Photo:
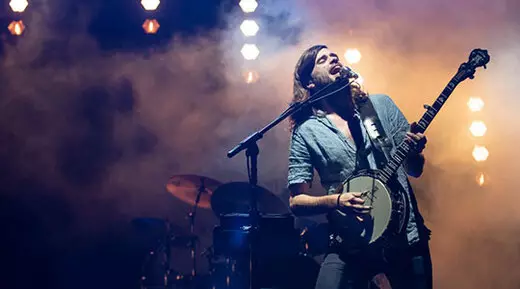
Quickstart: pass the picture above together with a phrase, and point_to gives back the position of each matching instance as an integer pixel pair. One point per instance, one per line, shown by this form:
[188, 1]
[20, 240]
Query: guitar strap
[375, 131]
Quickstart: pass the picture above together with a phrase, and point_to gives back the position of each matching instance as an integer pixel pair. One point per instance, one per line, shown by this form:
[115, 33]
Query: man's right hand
[352, 202]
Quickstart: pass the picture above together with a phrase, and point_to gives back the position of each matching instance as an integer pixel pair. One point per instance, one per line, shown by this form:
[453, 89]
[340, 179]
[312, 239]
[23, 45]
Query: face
[326, 68]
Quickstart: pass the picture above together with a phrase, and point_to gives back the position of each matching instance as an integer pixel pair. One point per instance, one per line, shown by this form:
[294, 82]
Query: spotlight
[16, 27]
[481, 179]
[18, 5]
[150, 5]
[352, 56]
[248, 6]
[249, 27]
[478, 128]
[250, 51]
[251, 76]
[475, 104]
[480, 153]
[151, 26]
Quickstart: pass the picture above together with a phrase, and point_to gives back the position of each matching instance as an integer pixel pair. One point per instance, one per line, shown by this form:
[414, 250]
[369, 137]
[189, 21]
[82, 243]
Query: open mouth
[335, 69]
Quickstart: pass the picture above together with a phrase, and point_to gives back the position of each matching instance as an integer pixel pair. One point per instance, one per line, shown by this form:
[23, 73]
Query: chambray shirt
[318, 144]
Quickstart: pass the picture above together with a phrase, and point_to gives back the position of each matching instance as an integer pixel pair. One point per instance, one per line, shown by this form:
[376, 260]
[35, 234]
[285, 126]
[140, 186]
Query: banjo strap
[375, 130]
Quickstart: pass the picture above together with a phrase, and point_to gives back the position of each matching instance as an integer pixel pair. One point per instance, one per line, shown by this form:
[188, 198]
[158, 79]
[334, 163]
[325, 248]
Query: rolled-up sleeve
[300, 165]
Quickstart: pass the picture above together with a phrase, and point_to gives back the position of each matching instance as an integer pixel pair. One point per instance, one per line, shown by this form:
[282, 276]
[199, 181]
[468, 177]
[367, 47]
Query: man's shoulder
[383, 102]
[379, 98]
[306, 127]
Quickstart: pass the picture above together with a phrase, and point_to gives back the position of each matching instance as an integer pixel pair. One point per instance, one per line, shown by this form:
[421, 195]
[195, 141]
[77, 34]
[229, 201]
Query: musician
[327, 138]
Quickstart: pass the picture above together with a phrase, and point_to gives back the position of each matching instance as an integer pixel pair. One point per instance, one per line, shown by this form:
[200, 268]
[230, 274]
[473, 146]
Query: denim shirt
[317, 144]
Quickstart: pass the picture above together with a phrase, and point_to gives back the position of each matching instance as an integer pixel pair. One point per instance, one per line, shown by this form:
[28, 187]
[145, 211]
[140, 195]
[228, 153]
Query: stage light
[150, 5]
[481, 179]
[475, 104]
[251, 76]
[480, 153]
[16, 27]
[352, 56]
[249, 27]
[248, 6]
[250, 51]
[478, 128]
[18, 5]
[151, 26]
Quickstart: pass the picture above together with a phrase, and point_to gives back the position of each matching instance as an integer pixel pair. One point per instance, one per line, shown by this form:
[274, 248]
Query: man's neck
[346, 112]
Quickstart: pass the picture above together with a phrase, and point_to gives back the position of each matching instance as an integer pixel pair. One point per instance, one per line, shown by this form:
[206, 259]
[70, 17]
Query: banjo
[390, 206]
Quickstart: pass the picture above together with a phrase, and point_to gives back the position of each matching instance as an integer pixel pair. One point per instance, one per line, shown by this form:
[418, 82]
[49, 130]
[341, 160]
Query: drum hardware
[155, 270]
[235, 198]
[197, 191]
[193, 189]
[247, 213]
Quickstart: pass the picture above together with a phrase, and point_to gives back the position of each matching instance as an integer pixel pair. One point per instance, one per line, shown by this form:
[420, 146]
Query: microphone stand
[252, 151]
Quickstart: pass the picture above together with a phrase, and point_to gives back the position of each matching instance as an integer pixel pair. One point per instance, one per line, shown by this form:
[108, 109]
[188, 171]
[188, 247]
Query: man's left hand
[416, 139]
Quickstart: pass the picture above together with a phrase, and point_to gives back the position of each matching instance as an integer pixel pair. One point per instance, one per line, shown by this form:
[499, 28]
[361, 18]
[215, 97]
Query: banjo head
[374, 224]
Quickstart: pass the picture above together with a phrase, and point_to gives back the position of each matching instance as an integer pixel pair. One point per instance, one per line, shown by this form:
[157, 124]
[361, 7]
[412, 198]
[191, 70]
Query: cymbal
[235, 197]
[186, 188]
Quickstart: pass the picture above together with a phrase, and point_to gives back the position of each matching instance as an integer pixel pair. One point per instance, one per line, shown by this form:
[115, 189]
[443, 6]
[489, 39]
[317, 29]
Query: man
[327, 138]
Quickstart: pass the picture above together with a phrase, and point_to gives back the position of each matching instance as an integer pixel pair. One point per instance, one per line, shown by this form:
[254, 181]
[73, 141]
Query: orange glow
[16, 27]
[151, 26]
[251, 76]
[481, 179]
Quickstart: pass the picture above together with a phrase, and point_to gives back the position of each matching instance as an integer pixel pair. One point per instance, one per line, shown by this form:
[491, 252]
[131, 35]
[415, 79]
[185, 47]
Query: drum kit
[280, 255]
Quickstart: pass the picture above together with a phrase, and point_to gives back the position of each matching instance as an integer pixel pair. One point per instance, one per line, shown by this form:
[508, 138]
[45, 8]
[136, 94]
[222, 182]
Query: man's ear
[311, 85]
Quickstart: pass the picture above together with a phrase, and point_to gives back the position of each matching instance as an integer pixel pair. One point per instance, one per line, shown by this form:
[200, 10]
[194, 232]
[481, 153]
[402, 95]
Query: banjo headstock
[477, 58]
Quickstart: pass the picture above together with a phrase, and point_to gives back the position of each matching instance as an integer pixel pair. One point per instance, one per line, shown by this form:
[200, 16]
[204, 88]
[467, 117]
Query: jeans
[409, 268]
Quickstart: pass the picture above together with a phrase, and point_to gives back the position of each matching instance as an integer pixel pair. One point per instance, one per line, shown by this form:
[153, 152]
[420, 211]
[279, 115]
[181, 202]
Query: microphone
[346, 72]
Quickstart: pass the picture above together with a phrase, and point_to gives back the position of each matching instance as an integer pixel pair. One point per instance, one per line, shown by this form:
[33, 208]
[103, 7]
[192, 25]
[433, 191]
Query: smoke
[103, 131]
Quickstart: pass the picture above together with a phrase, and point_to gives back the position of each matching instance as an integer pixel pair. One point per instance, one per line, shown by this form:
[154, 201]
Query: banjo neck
[402, 151]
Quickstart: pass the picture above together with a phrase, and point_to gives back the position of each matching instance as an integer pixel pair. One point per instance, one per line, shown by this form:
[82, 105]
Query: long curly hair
[302, 77]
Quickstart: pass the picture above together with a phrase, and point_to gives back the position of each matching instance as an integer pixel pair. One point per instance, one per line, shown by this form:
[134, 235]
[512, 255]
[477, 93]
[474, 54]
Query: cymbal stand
[166, 244]
[191, 215]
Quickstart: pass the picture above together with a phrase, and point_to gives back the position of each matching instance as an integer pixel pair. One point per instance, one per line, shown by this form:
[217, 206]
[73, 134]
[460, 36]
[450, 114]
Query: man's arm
[415, 164]
[302, 204]
[300, 175]
[301, 172]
